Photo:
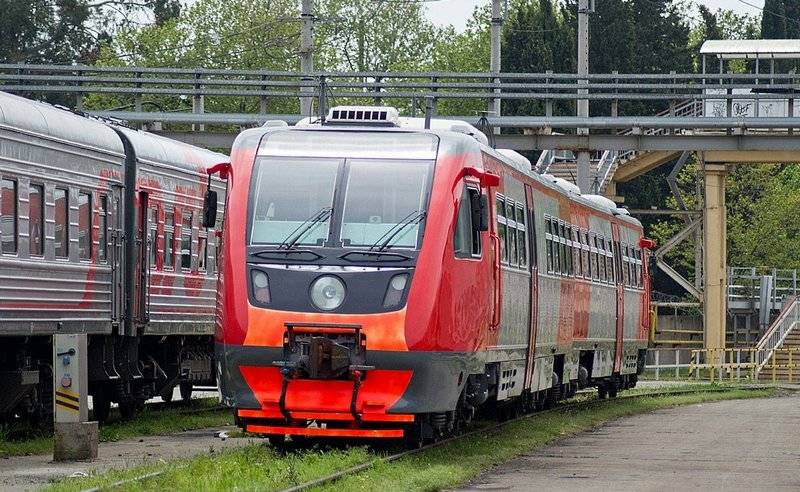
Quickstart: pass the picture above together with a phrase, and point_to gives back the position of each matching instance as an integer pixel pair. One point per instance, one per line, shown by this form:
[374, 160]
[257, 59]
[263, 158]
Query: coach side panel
[59, 206]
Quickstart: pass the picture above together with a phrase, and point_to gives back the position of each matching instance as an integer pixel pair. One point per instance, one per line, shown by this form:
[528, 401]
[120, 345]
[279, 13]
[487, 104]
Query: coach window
[152, 224]
[625, 272]
[102, 236]
[169, 239]
[8, 216]
[585, 252]
[522, 237]
[639, 280]
[186, 241]
[610, 261]
[568, 249]
[548, 239]
[511, 233]
[500, 209]
[466, 236]
[601, 259]
[61, 214]
[84, 226]
[36, 219]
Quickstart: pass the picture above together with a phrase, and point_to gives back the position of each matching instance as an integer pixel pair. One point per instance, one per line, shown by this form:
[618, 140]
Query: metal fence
[674, 92]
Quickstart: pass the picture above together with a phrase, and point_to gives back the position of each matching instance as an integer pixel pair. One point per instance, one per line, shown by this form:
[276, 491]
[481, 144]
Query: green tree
[44, 31]
[773, 20]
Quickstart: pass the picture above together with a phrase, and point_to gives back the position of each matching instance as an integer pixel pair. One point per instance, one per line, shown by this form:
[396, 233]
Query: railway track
[561, 407]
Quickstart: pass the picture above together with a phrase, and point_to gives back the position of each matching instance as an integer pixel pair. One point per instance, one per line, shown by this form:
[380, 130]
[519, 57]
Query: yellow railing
[737, 364]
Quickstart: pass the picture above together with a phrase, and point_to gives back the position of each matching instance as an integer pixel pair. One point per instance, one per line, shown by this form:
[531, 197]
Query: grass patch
[150, 422]
[259, 467]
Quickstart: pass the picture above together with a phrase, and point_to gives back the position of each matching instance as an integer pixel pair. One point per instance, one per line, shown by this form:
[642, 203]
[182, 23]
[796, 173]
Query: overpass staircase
[610, 167]
[778, 351]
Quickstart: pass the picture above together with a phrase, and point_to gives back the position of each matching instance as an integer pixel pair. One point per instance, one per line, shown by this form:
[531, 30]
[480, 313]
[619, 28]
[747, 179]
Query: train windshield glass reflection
[289, 195]
[381, 197]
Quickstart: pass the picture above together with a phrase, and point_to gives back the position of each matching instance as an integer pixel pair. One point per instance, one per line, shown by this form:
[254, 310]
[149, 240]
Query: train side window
[466, 236]
[102, 236]
[585, 252]
[511, 233]
[84, 226]
[152, 224]
[169, 239]
[202, 253]
[61, 200]
[601, 259]
[9, 216]
[570, 245]
[639, 279]
[609, 262]
[36, 219]
[556, 248]
[625, 278]
[500, 208]
[186, 241]
[522, 237]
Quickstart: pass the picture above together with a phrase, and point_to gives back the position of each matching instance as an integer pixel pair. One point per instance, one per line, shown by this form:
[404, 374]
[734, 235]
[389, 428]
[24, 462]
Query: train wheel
[277, 441]
[167, 394]
[602, 391]
[186, 391]
[613, 387]
[101, 405]
[127, 409]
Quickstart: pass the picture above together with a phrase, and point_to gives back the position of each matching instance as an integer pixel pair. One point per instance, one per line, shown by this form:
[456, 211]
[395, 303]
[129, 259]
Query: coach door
[533, 262]
[620, 297]
[115, 256]
[141, 302]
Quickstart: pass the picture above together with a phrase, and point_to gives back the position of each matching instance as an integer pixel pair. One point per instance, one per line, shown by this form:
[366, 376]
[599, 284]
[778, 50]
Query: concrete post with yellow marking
[75, 437]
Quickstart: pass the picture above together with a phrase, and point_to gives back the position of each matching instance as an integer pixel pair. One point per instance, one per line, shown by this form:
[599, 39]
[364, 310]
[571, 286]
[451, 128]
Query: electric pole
[494, 63]
[306, 54]
[585, 176]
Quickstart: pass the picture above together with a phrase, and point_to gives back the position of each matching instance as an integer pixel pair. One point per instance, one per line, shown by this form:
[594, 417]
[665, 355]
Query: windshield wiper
[411, 219]
[307, 225]
[292, 254]
[373, 256]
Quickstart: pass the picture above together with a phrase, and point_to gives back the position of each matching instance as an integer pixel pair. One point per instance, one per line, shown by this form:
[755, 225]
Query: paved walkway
[728, 445]
[32, 472]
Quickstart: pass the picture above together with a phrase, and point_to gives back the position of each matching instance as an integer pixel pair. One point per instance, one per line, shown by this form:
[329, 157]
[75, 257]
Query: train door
[141, 306]
[534, 291]
[115, 255]
[620, 297]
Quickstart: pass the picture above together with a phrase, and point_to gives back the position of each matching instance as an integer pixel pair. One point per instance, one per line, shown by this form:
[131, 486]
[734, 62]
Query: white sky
[457, 12]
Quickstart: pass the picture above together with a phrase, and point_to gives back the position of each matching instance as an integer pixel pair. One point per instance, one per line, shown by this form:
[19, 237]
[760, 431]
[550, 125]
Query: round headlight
[327, 293]
[260, 279]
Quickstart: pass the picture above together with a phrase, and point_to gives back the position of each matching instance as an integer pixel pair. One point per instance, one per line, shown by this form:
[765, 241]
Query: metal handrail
[604, 168]
[788, 319]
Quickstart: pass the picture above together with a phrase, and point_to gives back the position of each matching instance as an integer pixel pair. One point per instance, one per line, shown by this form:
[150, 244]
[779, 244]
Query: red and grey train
[100, 233]
[383, 279]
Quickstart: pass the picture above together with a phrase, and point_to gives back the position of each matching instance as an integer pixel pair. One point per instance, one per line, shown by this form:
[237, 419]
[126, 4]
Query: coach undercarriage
[122, 370]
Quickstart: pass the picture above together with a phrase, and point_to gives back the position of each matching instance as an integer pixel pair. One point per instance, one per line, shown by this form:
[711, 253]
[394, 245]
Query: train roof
[48, 121]
[161, 150]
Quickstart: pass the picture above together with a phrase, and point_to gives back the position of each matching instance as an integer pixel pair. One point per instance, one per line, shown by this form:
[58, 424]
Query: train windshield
[384, 203]
[293, 201]
[351, 203]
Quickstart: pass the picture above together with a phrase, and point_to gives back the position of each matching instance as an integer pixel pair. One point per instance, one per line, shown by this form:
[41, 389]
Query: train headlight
[260, 286]
[394, 294]
[327, 293]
